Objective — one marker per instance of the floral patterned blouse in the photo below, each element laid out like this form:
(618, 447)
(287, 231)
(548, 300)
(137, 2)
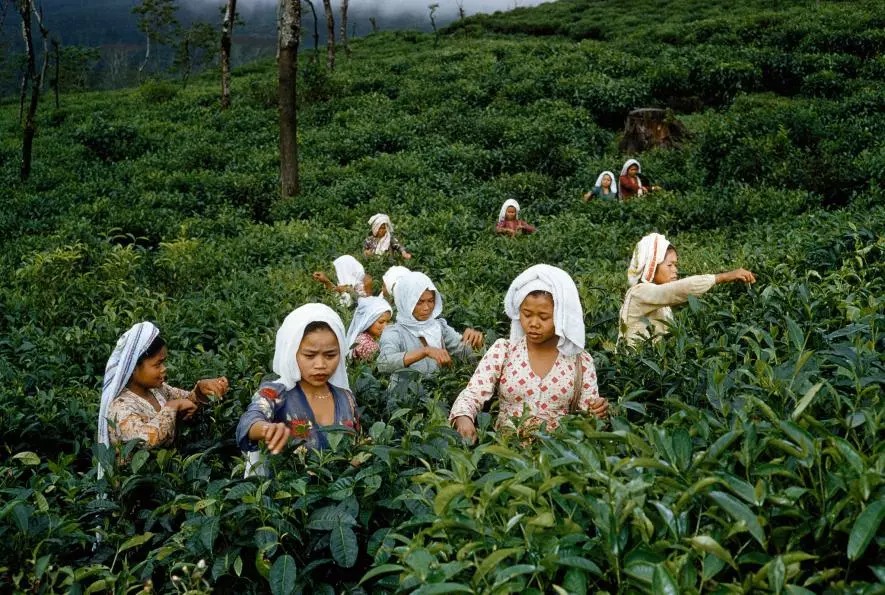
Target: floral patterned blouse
(371, 242)
(505, 367)
(133, 417)
(273, 403)
(517, 224)
(365, 347)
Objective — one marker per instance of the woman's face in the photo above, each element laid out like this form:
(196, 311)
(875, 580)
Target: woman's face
(382, 231)
(606, 181)
(378, 326)
(632, 171)
(424, 307)
(151, 372)
(318, 357)
(667, 271)
(536, 318)
(510, 215)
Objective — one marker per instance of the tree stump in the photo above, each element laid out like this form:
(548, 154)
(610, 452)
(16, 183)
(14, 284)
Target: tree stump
(651, 127)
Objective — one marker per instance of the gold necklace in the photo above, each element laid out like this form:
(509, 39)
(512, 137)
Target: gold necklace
(320, 397)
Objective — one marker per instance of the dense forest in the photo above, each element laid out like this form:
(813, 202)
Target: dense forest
(744, 452)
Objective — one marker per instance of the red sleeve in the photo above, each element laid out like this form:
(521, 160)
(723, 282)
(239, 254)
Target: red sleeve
(627, 186)
(526, 227)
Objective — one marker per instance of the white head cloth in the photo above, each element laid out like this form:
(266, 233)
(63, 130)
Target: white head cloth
(348, 270)
(391, 276)
(408, 291)
(614, 187)
(289, 338)
(568, 316)
(503, 212)
(368, 310)
(627, 165)
(647, 255)
(376, 221)
(118, 370)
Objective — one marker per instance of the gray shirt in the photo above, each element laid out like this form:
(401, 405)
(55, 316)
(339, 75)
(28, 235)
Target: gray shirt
(396, 342)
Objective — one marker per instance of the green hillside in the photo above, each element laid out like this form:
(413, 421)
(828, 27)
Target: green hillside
(745, 451)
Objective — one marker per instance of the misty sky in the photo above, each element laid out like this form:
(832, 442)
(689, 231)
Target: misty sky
(388, 8)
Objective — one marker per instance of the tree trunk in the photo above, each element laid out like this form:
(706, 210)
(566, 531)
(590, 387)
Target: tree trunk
(648, 128)
(56, 49)
(316, 31)
(330, 34)
(44, 33)
(227, 28)
(290, 33)
(147, 53)
(31, 73)
(344, 5)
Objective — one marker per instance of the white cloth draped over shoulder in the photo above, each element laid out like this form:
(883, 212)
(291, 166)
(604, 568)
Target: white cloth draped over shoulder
(391, 276)
(376, 221)
(647, 255)
(368, 310)
(408, 291)
(568, 316)
(289, 338)
(614, 180)
(130, 346)
(502, 214)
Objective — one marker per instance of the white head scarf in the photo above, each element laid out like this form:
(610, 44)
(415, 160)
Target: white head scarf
(568, 316)
(503, 212)
(627, 165)
(376, 221)
(408, 291)
(368, 310)
(393, 275)
(289, 340)
(647, 255)
(348, 270)
(614, 187)
(118, 370)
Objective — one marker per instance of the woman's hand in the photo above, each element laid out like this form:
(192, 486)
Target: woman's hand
(464, 426)
(407, 255)
(473, 337)
(207, 387)
(183, 407)
(599, 407)
(587, 196)
(275, 436)
(441, 356)
(742, 275)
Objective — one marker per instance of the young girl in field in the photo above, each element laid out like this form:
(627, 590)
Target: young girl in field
(382, 242)
(135, 397)
(353, 282)
(390, 277)
(605, 188)
(509, 222)
(420, 340)
(371, 317)
(542, 369)
(631, 183)
(654, 288)
(312, 390)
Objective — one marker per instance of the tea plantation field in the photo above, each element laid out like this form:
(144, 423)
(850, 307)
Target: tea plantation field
(745, 452)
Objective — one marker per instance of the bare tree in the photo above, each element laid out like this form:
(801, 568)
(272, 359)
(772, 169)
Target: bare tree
(155, 19)
(433, 8)
(316, 30)
(330, 34)
(374, 22)
(56, 50)
(290, 34)
(344, 6)
(461, 14)
(227, 27)
(25, 8)
(44, 33)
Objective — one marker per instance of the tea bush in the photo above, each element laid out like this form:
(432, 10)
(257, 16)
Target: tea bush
(744, 453)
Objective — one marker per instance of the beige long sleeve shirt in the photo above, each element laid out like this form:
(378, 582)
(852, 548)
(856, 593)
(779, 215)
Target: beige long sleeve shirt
(653, 302)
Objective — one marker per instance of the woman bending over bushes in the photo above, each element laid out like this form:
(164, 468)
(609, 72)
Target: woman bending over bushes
(509, 222)
(382, 242)
(631, 184)
(605, 188)
(353, 282)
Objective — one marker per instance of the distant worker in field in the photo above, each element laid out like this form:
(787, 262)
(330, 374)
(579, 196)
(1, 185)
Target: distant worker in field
(654, 288)
(311, 393)
(420, 340)
(353, 282)
(509, 222)
(382, 241)
(369, 321)
(135, 397)
(542, 371)
(390, 277)
(605, 188)
(631, 184)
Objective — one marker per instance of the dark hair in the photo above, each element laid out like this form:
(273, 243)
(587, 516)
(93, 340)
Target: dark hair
(670, 248)
(153, 349)
(317, 325)
(540, 293)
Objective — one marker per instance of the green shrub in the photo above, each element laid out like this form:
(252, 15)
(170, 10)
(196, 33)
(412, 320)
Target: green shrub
(157, 91)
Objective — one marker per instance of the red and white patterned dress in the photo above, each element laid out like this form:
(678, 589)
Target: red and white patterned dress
(364, 348)
(505, 367)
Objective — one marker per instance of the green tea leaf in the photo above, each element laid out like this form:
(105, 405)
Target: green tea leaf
(865, 527)
(344, 545)
(707, 544)
(776, 574)
(445, 496)
(134, 541)
(806, 400)
(662, 581)
(27, 458)
(441, 588)
(493, 559)
(382, 569)
(740, 512)
(282, 575)
(209, 531)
